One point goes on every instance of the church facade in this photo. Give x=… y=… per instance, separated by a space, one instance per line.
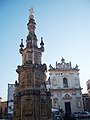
x=65 y=87
x=31 y=98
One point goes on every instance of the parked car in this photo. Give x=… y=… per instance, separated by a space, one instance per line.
x=81 y=114
x=77 y=114
x=85 y=114
x=57 y=117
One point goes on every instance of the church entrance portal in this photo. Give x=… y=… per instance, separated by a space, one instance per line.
x=68 y=107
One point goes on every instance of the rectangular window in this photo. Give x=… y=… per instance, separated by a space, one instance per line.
x=65 y=82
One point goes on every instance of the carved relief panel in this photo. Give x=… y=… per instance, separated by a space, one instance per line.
x=22 y=79
x=29 y=78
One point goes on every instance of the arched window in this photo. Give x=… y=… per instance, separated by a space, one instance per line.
x=65 y=82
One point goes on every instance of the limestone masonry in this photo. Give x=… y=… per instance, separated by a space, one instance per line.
x=31 y=98
x=64 y=84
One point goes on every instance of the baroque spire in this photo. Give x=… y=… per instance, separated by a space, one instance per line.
x=31 y=53
x=31 y=98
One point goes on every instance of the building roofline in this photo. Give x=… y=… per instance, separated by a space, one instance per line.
x=65 y=89
x=55 y=69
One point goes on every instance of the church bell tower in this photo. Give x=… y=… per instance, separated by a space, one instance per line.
x=31 y=98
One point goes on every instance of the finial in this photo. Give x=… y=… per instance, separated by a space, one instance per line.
x=21 y=46
x=76 y=66
x=50 y=66
x=42 y=44
x=70 y=65
x=31 y=13
x=63 y=60
x=42 y=38
x=56 y=63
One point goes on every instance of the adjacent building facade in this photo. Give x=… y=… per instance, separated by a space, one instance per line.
x=65 y=87
x=31 y=98
x=0 y=108
x=86 y=97
x=86 y=102
x=88 y=87
x=3 y=110
x=10 y=100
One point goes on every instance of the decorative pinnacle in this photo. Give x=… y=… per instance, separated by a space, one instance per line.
x=63 y=60
x=31 y=13
x=21 y=45
x=42 y=44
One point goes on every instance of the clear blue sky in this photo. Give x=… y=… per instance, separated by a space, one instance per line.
x=64 y=25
